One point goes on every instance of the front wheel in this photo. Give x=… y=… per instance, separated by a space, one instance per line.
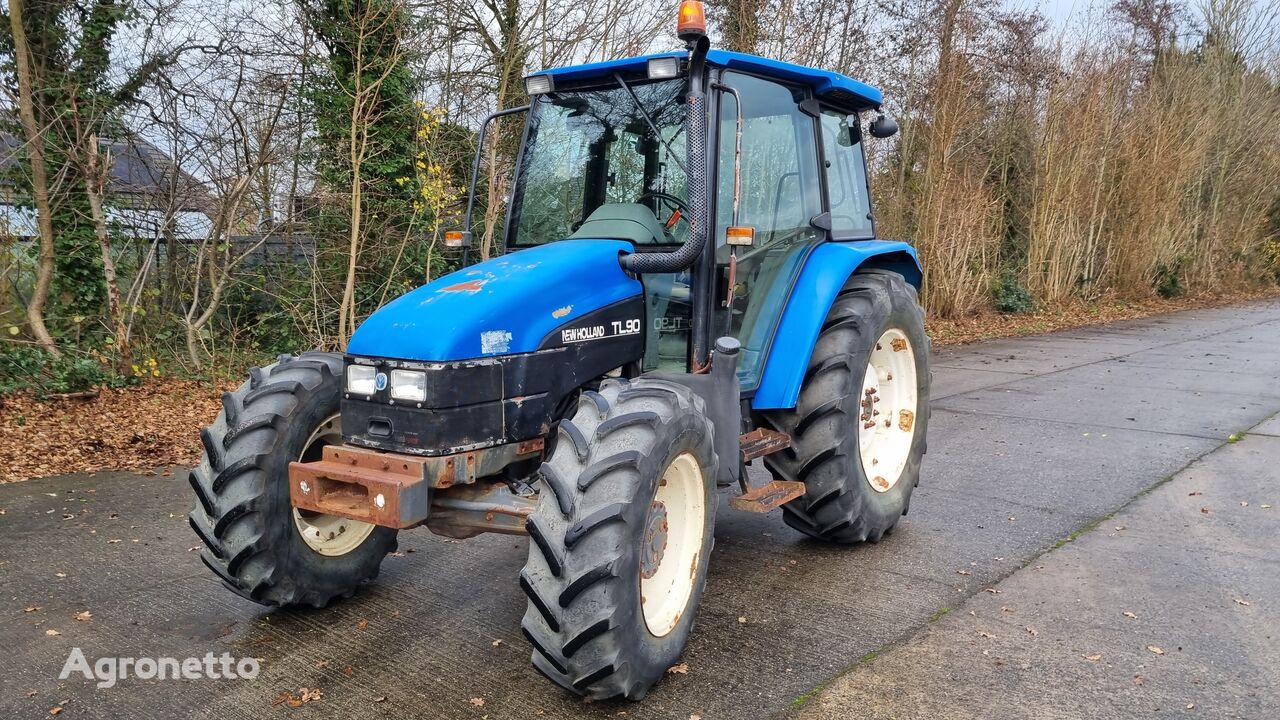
x=256 y=541
x=858 y=428
x=620 y=539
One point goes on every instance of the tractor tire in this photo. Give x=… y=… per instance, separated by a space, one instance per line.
x=253 y=536
x=620 y=538
x=846 y=411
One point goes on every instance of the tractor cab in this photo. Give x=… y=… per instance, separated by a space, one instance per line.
x=690 y=285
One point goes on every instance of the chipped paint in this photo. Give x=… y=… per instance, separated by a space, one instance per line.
x=906 y=419
x=561 y=312
x=493 y=342
x=470 y=286
x=898 y=344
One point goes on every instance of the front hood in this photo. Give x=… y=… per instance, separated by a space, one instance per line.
x=502 y=306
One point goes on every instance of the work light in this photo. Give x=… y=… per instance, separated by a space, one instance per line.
x=409 y=385
x=538 y=84
x=362 y=379
x=661 y=68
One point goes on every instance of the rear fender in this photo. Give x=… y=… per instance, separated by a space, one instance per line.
x=825 y=271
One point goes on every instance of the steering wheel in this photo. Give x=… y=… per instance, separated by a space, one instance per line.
x=679 y=208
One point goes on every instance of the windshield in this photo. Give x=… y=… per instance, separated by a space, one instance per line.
x=591 y=158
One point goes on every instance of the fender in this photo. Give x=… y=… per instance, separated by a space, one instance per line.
x=825 y=271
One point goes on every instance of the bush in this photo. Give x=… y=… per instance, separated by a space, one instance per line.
x=28 y=368
x=1167 y=279
x=1011 y=296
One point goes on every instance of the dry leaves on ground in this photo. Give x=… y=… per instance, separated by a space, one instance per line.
x=682 y=669
x=1156 y=649
x=304 y=696
x=156 y=424
x=477 y=701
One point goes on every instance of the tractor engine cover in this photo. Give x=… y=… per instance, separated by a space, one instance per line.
x=500 y=344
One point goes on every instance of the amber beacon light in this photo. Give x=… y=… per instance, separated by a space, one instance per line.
x=692 y=23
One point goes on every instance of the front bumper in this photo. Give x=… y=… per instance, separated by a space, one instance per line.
x=391 y=489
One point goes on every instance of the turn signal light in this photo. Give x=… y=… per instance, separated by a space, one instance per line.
x=692 y=23
x=457 y=239
x=740 y=235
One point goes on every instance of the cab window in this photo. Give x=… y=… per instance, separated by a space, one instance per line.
x=846 y=176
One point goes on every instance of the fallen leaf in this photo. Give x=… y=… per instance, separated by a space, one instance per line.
x=1265 y=506
x=31 y=694
x=497 y=642
x=397 y=553
x=33 y=608
x=477 y=701
x=993 y=591
x=985 y=634
x=1092 y=658
x=1244 y=503
x=112 y=542
x=963 y=572
x=1206 y=510
x=348 y=671
x=1156 y=649
x=695 y=717
x=51 y=632
x=1242 y=602
x=1032 y=631
x=363 y=624
x=1138 y=680
x=1191 y=706
x=60 y=575
x=322 y=664
x=742 y=620
x=284 y=697
x=682 y=669
x=380 y=698
x=83 y=616
x=309 y=695
x=1130 y=615
x=55 y=710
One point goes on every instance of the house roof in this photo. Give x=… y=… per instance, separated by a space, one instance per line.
x=823 y=82
x=138 y=169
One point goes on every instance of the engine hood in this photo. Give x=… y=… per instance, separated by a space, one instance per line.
x=502 y=306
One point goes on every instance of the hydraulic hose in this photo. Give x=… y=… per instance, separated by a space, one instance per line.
x=695 y=151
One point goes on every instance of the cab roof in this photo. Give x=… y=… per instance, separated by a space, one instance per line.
x=824 y=83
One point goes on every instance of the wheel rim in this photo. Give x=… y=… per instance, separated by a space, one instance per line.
x=672 y=545
x=328 y=535
x=887 y=422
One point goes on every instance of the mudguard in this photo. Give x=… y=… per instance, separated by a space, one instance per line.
x=502 y=306
x=825 y=271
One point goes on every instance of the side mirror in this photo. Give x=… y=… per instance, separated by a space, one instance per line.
x=883 y=127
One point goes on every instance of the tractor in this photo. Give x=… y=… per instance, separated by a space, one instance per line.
x=688 y=283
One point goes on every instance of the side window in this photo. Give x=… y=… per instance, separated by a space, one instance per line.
x=780 y=192
x=846 y=176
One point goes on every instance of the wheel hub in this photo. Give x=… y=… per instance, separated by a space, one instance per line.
x=655 y=540
x=886 y=423
x=328 y=535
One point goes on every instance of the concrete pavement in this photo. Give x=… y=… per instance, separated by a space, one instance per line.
x=1031 y=439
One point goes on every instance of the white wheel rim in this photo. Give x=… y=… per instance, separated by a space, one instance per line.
x=887 y=419
x=671 y=547
x=328 y=535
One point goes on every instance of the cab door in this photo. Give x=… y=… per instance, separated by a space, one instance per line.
x=780 y=198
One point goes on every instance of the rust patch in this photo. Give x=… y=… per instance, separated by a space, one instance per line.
x=898 y=344
x=880 y=482
x=561 y=312
x=470 y=286
x=906 y=419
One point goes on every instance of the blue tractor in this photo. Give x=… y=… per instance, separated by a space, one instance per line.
x=690 y=283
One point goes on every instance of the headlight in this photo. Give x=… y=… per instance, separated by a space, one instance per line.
x=361 y=379
x=408 y=385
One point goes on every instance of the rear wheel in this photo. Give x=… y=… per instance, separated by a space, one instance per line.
x=256 y=541
x=620 y=539
x=858 y=428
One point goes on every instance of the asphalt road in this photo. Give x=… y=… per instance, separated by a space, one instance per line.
x=1031 y=440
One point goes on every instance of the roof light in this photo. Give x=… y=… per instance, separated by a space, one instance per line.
x=692 y=23
x=661 y=68
x=538 y=84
